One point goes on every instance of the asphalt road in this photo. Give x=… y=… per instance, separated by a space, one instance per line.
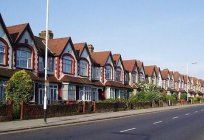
x=178 y=124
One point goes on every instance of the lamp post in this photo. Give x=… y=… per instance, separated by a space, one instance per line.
x=46 y=47
x=187 y=74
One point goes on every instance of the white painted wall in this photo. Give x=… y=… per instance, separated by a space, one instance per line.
x=5 y=37
x=68 y=50
x=27 y=36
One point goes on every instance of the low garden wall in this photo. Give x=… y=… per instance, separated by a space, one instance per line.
x=28 y=111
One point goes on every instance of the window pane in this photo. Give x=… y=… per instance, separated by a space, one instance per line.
x=23 y=58
x=2 y=53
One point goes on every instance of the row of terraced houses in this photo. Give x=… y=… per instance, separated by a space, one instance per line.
x=77 y=72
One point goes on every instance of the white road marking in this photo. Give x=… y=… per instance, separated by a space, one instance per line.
x=175 y=117
x=195 y=111
x=157 y=122
x=187 y=114
x=127 y=130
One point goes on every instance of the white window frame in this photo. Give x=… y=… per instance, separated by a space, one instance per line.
x=85 y=93
x=67 y=64
x=96 y=73
x=83 y=68
x=2 y=52
x=118 y=73
x=23 y=58
x=41 y=64
x=71 y=90
x=51 y=64
x=134 y=77
x=53 y=93
x=108 y=72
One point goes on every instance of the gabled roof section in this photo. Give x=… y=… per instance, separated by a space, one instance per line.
x=176 y=75
x=16 y=31
x=58 y=45
x=101 y=57
x=41 y=46
x=157 y=69
x=140 y=65
x=116 y=58
x=79 y=48
x=186 y=78
x=195 y=80
x=164 y=74
x=129 y=65
x=149 y=70
x=5 y=29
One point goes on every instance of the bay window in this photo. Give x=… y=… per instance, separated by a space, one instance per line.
x=50 y=64
x=41 y=64
x=23 y=58
x=67 y=64
x=71 y=93
x=2 y=54
x=108 y=72
x=118 y=74
x=134 y=77
x=126 y=77
x=96 y=73
x=83 y=68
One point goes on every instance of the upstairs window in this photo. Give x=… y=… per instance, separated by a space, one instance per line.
x=23 y=58
x=141 y=77
x=41 y=64
x=134 y=77
x=126 y=77
x=67 y=63
x=2 y=54
x=118 y=74
x=108 y=72
x=50 y=64
x=83 y=68
x=96 y=73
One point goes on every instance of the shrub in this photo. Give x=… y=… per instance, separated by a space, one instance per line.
x=19 y=88
x=183 y=96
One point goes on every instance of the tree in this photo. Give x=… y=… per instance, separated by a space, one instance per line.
x=19 y=87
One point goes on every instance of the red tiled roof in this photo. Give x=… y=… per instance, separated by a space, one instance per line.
x=149 y=70
x=195 y=80
x=41 y=46
x=139 y=64
x=100 y=57
x=15 y=31
x=116 y=57
x=79 y=47
x=176 y=76
x=164 y=74
x=57 y=45
x=8 y=73
x=78 y=80
x=115 y=84
x=129 y=65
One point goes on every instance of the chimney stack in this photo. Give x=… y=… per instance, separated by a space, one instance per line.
x=43 y=34
x=91 y=48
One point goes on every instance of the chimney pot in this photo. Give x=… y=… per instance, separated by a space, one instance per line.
x=91 y=48
x=42 y=34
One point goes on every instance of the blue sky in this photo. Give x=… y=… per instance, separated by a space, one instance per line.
x=168 y=33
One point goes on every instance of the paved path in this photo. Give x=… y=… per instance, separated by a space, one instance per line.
x=13 y=126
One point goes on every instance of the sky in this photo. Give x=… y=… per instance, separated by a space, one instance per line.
x=166 y=33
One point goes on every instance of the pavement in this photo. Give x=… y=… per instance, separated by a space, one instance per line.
x=24 y=125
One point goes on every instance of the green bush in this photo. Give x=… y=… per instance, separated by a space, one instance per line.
x=183 y=96
x=19 y=88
